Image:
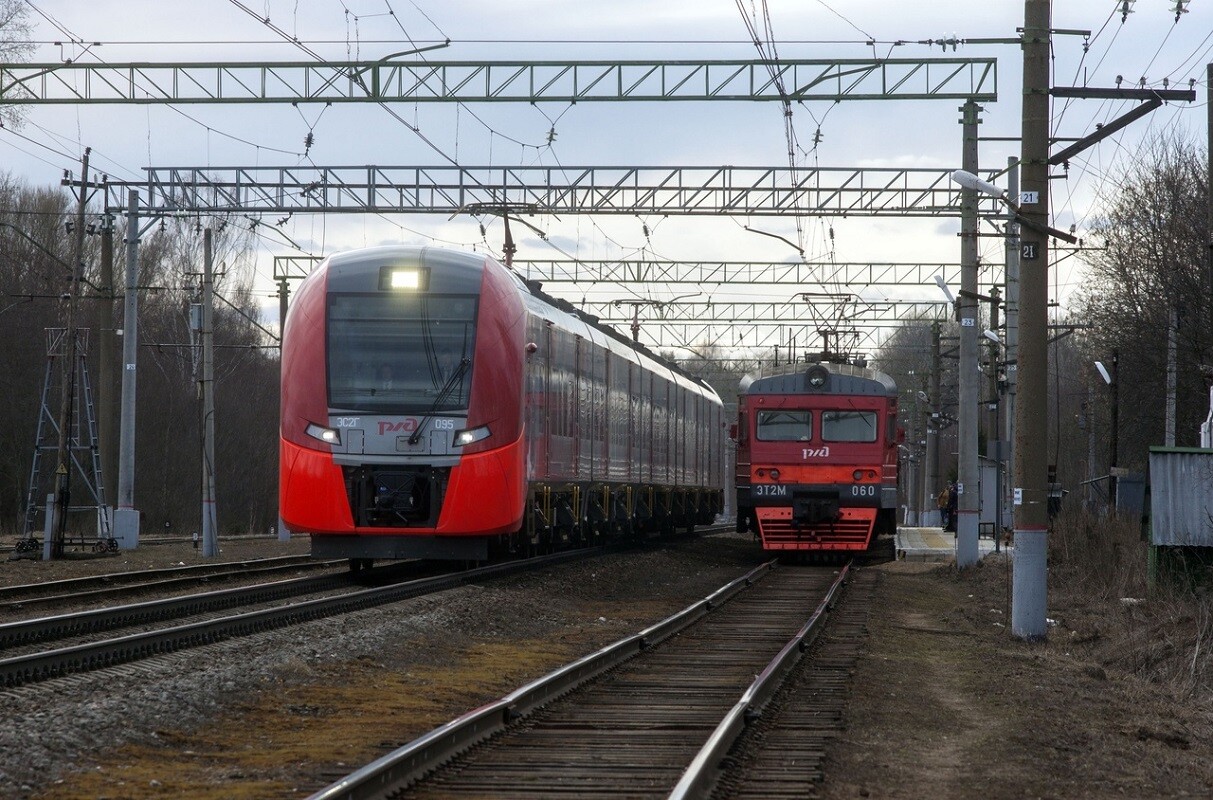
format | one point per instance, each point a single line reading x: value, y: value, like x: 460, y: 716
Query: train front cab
x: 401, y: 407
x: 817, y: 471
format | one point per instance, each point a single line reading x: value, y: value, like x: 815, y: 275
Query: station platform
x: 934, y: 544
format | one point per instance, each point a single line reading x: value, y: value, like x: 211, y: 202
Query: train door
x: 633, y: 418
x: 650, y: 454
x: 578, y: 409
x: 549, y: 355
x: 538, y: 373
x: 697, y: 467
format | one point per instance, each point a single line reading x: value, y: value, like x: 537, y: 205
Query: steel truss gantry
x: 850, y: 326
x: 697, y: 273
x: 424, y: 81
x: 692, y: 191
x: 764, y: 313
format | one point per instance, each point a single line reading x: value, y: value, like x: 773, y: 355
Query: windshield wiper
x: 443, y: 393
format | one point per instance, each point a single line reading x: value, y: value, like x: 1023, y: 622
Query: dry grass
x: 1161, y: 634
x: 349, y: 717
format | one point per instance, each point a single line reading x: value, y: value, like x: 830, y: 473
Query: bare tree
x: 246, y: 385
x: 15, y: 45
x: 1150, y: 261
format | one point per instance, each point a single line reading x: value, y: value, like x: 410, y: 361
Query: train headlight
x: 326, y: 435
x: 774, y: 474
x: 403, y: 279
x: 471, y: 435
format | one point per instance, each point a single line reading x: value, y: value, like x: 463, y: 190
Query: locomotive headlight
x: 774, y: 474
x: 326, y: 435
x: 471, y: 435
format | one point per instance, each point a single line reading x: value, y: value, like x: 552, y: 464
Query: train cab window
x: 400, y: 353
x: 848, y: 426
x: 784, y: 426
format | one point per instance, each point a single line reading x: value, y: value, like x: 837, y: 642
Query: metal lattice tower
x: 84, y: 457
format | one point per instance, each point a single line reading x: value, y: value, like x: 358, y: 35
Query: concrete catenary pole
x: 126, y: 517
x: 914, y: 463
x: 1029, y: 581
x: 210, y: 538
x: 107, y: 380
x: 1172, y: 373
x: 1114, y: 433
x: 284, y: 293
x: 968, y: 505
x: 993, y: 430
x: 1011, y: 307
x: 1206, y: 431
x: 934, y: 421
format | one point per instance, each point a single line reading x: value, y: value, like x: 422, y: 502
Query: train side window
x: 848, y: 426
x: 784, y: 426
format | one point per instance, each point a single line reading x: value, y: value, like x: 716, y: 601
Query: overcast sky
x: 1149, y: 44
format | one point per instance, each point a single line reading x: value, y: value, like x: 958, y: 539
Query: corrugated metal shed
x: 1181, y: 497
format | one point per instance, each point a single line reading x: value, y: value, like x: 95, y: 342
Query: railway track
x: 39, y: 665
x: 655, y: 715
x: 83, y: 590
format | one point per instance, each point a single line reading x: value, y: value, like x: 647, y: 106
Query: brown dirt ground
x: 948, y: 704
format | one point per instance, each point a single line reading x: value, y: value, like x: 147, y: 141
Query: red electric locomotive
x: 435, y: 405
x: 817, y: 457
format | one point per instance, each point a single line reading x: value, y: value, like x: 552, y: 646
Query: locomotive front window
x: 784, y: 426
x: 400, y: 353
x: 848, y: 426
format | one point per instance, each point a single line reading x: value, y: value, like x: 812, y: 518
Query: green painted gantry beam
x: 423, y: 81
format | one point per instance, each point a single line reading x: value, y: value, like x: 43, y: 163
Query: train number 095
x: 863, y: 490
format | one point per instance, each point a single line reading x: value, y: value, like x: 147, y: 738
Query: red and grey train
x: 817, y: 457
x: 436, y: 405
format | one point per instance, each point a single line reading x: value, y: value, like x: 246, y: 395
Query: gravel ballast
x: 283, y: 712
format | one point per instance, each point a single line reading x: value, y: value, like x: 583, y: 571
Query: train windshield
x: 848, y: 426
x: 400, y: 353
x: 784, y: 426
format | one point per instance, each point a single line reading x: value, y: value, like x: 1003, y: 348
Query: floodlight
x: 939, y: 281
x: 968, y: 180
